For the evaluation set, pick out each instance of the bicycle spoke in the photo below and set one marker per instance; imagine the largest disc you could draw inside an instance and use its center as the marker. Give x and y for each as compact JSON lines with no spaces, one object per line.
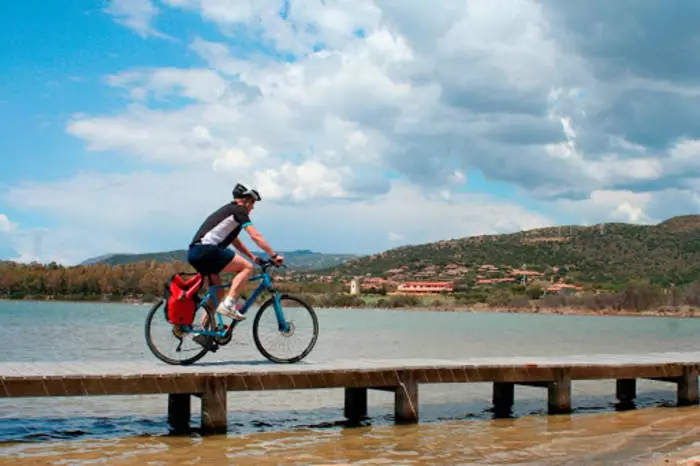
{"x":286,"y":346}
{"x":174,"y":344}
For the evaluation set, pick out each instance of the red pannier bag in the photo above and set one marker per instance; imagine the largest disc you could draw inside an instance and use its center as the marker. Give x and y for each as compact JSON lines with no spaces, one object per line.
{"x":181,"y":298}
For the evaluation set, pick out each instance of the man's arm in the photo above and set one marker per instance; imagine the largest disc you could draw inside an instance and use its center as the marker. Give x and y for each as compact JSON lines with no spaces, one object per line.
{"x":238,"y":244}
{"x":259,"y":240}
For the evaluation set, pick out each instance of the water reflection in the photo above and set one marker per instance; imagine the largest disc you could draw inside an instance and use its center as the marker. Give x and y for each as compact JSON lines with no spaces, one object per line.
{"x":307,"y":426}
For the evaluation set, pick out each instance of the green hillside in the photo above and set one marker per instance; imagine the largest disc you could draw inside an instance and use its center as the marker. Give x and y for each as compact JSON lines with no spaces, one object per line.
{"x":666,"y":253}
{"x":298,"y":260}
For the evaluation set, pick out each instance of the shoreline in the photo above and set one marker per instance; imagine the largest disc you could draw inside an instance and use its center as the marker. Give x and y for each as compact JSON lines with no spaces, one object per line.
{"x":666,"y":311}
{"x":686,"y":456}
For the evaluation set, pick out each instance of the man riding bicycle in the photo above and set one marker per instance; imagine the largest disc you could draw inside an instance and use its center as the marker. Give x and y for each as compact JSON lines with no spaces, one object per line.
{"x":209,"y":253}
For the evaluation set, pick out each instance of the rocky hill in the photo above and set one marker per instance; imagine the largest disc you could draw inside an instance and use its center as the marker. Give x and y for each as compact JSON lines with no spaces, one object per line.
{"x":667,"y":253}
{"x":297,"y":260}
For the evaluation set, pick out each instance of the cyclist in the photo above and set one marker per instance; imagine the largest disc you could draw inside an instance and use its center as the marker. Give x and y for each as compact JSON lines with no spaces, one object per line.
{"x":210,"y":255}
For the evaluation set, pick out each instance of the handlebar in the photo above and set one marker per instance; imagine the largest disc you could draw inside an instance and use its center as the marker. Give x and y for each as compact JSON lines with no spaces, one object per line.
{"x":266,"y":264}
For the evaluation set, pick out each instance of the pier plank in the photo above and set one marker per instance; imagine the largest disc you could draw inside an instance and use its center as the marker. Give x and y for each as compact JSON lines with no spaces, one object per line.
{"x":107,"y":378}
{"x":211,"y":382}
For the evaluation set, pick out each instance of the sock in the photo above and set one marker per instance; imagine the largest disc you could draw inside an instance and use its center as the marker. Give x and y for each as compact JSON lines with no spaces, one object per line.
{"x":229,"y":302}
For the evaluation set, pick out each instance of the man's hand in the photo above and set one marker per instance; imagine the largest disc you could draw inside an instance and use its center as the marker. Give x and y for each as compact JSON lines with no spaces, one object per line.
{"x":258,"y":260}
{"x":278,"y":260}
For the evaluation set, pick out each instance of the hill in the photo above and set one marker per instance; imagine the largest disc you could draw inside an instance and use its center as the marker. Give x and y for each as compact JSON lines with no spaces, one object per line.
{"x":298,"y":260}
{"x":667,"y":253}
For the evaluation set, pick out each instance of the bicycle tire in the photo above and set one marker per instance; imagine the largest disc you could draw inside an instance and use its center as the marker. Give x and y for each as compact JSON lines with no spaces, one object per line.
{"x":161,"y":356}
{"x":256,"y":322}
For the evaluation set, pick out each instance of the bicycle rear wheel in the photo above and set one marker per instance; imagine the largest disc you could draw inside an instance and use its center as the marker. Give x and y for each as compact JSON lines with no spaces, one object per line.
{"x":285,"y":347}
{"x":172,"y":346}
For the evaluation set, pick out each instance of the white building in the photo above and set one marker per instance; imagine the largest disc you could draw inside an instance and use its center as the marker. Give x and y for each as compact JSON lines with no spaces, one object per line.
{"x":354,"y":286}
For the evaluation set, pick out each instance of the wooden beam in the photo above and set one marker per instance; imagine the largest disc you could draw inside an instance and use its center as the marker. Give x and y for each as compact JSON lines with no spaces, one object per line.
{"x":688,"y":387}
{"x":664,"y":379}
{"x":355,"y":403}
{"x":406,"y":401}
{"x":214,"y":409}
{"x":534,"y":384}
{"x":626,"y":391}
{"x":179,"y":409}
{"x":503,"y":398}
{"x":559,"y":394}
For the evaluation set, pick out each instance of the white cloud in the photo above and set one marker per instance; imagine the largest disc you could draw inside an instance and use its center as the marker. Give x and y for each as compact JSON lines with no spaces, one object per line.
{"x":425,"y":218}
{"x":308,"y":23}
{"x":684,"y":158}
{"x":202,"y":85}
{"x":66,"y":245}
{"x":5,"y":225}
{"x":302,"y":182}
{"x":422,"y":90}
{"x":123,"y":203}
{"x":611,"y":206}
{"x":136,"y":15}
{"x":148,"y":211}
{"x":361,"y":104}
{"x":419,"y":91}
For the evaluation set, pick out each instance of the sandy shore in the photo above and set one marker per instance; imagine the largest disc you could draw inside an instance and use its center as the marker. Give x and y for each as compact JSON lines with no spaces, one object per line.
{"x":687,"y":457}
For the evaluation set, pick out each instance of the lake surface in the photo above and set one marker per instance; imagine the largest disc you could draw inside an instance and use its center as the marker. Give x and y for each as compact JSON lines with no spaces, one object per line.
{"x":308,"y":427}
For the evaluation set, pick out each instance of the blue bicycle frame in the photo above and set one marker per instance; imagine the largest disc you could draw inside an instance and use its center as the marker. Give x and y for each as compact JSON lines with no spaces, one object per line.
{"x":265,"y":284}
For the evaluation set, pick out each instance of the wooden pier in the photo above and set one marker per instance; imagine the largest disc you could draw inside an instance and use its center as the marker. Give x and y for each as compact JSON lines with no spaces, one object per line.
{"x":402,"y":377}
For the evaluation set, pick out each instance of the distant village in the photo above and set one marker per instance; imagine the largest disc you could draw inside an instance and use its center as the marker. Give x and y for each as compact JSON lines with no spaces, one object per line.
{"x":434,"y":279}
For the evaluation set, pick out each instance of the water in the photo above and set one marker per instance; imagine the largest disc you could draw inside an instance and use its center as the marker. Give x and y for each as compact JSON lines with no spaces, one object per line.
{"x":308,"y":427}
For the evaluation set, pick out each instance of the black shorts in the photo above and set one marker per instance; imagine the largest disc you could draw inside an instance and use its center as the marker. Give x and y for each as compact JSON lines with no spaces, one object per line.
{"x":208,"y":258}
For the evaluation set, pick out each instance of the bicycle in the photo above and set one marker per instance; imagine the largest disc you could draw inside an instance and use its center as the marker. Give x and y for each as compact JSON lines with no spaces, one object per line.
{"x":212,"y":333}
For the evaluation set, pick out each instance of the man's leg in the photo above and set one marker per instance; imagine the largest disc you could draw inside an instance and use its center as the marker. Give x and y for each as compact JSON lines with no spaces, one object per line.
{"x":215,"y":280}
{"x":243,"y":270}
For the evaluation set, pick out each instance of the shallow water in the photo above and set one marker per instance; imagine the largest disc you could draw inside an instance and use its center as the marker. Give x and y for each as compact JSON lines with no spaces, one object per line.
{"x":308,"y":427}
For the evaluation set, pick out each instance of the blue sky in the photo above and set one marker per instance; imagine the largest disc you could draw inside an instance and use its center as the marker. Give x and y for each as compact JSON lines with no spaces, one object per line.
{"x":365,"y":125}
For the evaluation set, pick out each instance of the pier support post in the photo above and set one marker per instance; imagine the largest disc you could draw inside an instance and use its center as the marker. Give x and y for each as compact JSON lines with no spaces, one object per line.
{"x":559,"y":394}
{"x":179,"y":406}
{"x":214,"y":408}
{"x":355,"y":403}
{"x":688,"y":387}
{"x":503,"y":398}
{"x":406,"y":401}
{"x":626,"y":391}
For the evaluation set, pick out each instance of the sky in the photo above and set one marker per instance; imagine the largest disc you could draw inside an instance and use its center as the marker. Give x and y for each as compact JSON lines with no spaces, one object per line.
{"x":365,"y":124}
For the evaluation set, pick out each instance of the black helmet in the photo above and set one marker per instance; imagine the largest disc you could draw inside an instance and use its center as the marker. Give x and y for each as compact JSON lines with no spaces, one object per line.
{"x":240,"y":191}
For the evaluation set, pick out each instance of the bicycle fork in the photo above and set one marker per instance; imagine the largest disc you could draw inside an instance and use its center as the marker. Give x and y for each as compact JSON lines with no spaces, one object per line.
{"x":282,"y":323}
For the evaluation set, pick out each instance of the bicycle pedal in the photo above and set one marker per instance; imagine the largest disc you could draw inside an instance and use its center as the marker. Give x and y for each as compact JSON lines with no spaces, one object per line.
{"x":201,"y":340}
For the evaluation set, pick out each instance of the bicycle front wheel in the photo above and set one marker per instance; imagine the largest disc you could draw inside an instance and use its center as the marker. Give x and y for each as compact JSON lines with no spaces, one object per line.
{"x":290,"y":346}
{"x":169,"y":343}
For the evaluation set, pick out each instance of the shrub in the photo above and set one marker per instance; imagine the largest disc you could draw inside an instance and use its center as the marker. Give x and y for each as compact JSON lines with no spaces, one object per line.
{"x":306,"y":297}
{"x":472,"y":296}
{"x":404,"y":301}
{"x":640,"y":296}
{"x":499,"y":298}
{"x":467,"y":300}
{"x":555,"y":300}
{"x":520,"y":302}
{"x":341,"y":300}
{"x":398,"y":301}
{"x":534,"y":292}
{"x":676,"y":296}
{"x":691,"y":296}
{"x":603,"y":301}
